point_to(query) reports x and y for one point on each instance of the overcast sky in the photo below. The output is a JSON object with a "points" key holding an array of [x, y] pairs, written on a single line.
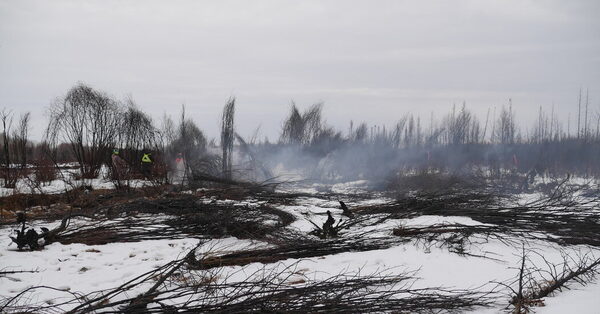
{"points": [[366, 60]]}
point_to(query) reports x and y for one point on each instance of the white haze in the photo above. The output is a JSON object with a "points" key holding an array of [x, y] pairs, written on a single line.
{"points": [[366, 60]]}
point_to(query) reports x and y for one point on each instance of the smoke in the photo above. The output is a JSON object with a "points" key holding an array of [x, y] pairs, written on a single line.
{"points": [[309, 149]]}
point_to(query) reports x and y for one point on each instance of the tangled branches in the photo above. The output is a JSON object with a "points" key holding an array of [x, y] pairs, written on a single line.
{"points": [[175, 287], [457, 236], [560, 217], [173, 218], [535, 283], [298, 248]]}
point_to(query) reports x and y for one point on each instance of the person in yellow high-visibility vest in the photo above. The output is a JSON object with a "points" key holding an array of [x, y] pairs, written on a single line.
{"points": [[146, 165]]}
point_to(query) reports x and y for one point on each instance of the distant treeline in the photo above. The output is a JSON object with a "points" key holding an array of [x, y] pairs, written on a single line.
{"points": [[86, 124]]}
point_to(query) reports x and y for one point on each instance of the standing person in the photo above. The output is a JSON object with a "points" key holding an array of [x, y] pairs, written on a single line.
{"points": [[179, 168], [119, 165], [146, 165], [179, 158]]}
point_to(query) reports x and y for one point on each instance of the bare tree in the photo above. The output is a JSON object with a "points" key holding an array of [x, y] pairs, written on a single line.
{"points": [[191, 141], [20, 139], [137, 133], [7, 173], [487, 118], [412, 132], [188, 139], [293, 127], [505, 131], [360, 133], [227, 137], [579, 115], [459, 126], [89, 121], [587, 103], [302, 129], [397, 133], [313, 124]]}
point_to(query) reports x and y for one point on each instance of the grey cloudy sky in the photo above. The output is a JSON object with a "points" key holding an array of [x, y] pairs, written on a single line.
{"points": [[366, 60]]}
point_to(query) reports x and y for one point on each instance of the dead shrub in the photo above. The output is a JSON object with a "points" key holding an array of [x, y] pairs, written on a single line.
{"points": [[44, 172]]}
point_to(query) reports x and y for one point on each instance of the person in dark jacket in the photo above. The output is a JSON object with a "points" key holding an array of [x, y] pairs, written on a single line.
{"points": [[119, 165], [328, 231]]}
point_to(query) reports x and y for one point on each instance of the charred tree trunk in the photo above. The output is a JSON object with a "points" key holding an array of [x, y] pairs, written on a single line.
{"points": [[227, 138]]}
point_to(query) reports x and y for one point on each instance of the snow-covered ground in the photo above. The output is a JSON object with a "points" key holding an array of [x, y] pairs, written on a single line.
{"points": [[83, 269], [65, 181]]}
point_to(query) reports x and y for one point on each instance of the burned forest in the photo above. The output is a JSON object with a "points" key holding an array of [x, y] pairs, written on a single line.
{"points": [[115, 211], [340, 156]]}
